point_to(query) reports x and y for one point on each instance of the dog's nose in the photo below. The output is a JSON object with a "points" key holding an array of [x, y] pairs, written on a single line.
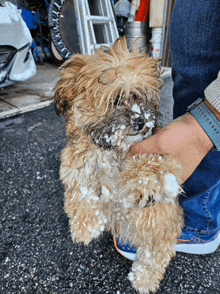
{"points": [[138, 124]]}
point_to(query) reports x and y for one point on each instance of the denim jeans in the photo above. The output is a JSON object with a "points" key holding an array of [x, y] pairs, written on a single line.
{"points": [[195, 50]]}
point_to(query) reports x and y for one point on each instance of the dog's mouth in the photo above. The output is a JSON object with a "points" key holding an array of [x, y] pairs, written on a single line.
{"points": [[121, 138], [132, 138], [142, 126], [123, 128], [145, 131]]}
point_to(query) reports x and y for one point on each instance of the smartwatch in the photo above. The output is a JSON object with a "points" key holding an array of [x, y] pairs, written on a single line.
{"points": [[207, 120]]}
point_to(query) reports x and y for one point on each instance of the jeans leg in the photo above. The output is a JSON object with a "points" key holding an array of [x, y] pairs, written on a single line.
{"points": [[195, 49], [202, 211]]}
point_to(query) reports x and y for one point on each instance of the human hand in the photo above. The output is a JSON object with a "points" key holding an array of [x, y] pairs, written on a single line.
{"points": [[183, 138]]}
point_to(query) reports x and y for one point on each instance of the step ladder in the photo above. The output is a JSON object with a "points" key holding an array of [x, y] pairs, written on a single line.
{"points": [[85, 24]]}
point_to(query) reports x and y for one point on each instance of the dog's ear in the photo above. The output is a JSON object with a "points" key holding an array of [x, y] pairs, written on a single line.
{"points": [[64, 93]]}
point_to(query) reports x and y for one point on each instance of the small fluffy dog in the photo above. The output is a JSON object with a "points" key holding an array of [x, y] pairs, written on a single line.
{"points": [[110, 101]]}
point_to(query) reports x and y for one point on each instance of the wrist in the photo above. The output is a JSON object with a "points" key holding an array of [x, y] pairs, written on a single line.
{"points": [[202, 140], [208, 118], [182, 134]]}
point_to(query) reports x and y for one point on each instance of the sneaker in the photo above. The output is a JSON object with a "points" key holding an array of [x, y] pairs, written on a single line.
{"points": [[198, 244], [187, 243], [125, 249]]}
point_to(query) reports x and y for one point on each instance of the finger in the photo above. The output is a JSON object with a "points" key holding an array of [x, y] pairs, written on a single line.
{"points": [[138, 148], [128, 154]]}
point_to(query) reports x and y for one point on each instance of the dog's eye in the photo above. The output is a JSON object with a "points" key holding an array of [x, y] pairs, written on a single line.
{"points": [[134, 97], [116, 100]]}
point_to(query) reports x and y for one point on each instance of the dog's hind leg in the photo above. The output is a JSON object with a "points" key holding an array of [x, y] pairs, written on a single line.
{"points": [[158, 232], [149, 268], [146, 275]]}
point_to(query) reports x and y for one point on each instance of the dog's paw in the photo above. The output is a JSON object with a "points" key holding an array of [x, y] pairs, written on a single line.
{"points": [[170, 185], [85, 210], [147, 179], [143, 278], [89, 228]]}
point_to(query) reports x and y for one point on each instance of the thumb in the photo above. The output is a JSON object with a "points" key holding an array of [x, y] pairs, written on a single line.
{"points": [[135, 149], [129, 154], [146, 146]]}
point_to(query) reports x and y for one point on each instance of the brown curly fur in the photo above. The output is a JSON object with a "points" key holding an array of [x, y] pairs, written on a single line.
{"points": [[110, 100]]}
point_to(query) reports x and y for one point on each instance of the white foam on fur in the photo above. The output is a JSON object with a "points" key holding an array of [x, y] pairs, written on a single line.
{"points": [[171, 186], [135, 108], [105, 194], [150, 124]]}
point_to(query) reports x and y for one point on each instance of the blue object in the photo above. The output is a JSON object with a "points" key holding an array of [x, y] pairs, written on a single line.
{"points": [[34, 19], [125, 249], [35, 51], [195, 50], [30, 18], [187, 243], [207, 120], [198, 244], [47, 5]]}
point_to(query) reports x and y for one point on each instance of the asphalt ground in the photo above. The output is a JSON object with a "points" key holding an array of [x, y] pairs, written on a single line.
{"points": [[37, 254]]}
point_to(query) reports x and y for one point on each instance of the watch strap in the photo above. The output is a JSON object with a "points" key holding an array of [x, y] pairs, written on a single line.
{"points": [[207, 120]]}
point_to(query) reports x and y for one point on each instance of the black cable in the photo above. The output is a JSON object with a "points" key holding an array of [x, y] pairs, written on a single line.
{"points": [[41, 35]]}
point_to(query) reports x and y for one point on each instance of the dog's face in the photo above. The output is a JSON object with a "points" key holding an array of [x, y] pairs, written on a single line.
{"points": [[126, 122], [111, 97]]}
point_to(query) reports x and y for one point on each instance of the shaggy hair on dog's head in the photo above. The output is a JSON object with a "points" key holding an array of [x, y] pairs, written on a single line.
{"points": [[97, 82], [109, 99]]}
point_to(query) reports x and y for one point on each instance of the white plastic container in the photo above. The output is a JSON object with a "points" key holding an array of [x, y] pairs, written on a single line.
{"points": [[156, 42], [122, 8]]}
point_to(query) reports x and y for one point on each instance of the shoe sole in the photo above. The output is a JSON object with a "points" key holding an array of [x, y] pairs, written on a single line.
{"points": [[205, 248], [130, 256]]}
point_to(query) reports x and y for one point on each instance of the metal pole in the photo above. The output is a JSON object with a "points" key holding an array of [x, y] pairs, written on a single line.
{"points": [[79, 26], [164, 29]]}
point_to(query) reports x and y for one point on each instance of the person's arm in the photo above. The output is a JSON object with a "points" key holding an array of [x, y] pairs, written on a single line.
{"points": [[212, 94], [183, 138]]}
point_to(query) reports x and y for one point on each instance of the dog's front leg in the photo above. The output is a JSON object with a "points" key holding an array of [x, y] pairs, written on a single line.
{"points": [[85, 210], [148, 179], [87, 194]]}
